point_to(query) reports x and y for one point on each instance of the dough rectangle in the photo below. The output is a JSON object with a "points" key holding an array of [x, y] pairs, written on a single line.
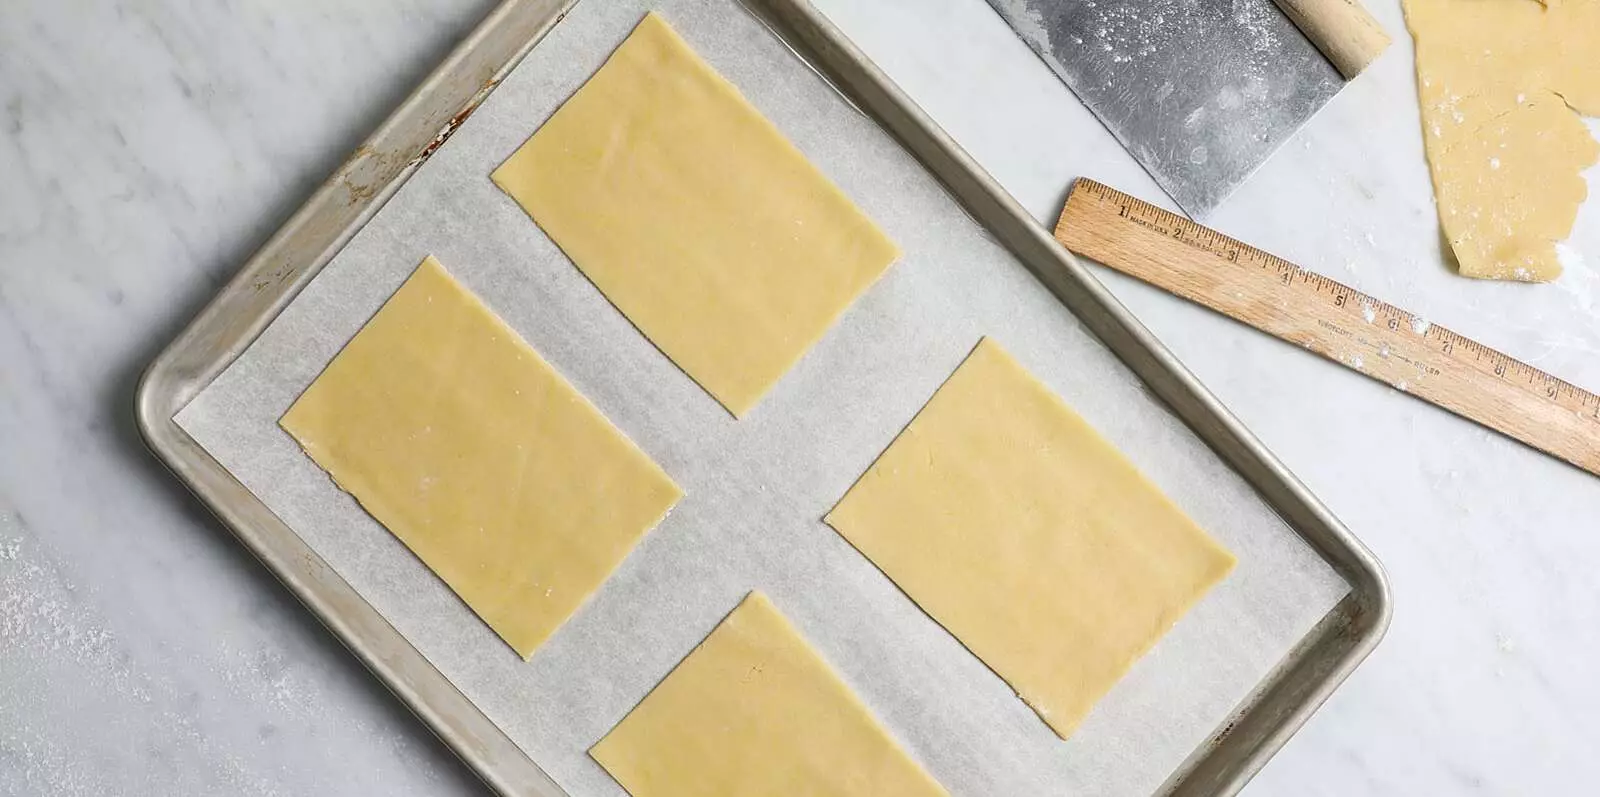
{"points": [[695, 216], [455, 435], [1011, 522], [755, 712], [1502, 87]]}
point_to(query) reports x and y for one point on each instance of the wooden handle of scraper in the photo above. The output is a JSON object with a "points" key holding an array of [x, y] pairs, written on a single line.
{"points": [[1341, 29]]}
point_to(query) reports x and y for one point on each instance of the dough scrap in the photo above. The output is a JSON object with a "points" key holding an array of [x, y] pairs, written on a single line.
{"points": [[694, 216], [1501, 85], [455, 435], [755, 712], [1012, 523]]}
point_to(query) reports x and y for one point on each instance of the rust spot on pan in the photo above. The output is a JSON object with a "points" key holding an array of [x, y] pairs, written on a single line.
{"points": [[376, 167], [455, 122]]}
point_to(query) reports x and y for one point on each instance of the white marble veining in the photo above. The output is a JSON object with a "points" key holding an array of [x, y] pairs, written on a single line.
{"points": [[146, 147]]}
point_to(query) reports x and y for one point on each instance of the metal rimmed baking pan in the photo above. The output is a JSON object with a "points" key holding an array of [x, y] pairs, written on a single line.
{"points": [[405, 145]]}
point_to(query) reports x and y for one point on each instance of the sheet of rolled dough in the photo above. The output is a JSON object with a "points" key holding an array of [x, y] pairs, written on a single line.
{"points": [[1501, 83], [695, 216], [755, 712], [463, 442], [1011, 522]]}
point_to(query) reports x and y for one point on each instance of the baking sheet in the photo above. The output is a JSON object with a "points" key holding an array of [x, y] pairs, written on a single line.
{"points": [[756, 489]]}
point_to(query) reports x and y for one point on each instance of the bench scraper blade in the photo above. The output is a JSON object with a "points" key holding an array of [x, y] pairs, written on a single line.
{"points": [[1201, 92]]}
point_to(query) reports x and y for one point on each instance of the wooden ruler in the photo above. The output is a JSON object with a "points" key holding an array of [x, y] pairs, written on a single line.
{"points": [[1342, 324]]}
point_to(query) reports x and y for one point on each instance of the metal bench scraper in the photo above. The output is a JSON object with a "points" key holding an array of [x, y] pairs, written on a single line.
{"points": [[1201, 92]]}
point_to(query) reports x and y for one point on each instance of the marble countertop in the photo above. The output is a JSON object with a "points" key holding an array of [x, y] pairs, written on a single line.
{"points": [[146, 148]]}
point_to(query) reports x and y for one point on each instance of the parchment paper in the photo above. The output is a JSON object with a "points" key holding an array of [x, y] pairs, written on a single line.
{"points": [[757, 488]]}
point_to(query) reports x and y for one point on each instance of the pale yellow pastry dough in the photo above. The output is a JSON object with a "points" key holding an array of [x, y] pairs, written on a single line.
{"points": [[453, 433], [695, 216], [1027, 536], [754, 712], [1501, 84]]}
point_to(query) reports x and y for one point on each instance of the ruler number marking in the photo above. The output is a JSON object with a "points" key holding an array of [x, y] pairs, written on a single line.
{"points": [[1463, 381]]}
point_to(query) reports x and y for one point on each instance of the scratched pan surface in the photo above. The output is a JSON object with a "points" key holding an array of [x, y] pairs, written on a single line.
{"points": [[1238, 738]]}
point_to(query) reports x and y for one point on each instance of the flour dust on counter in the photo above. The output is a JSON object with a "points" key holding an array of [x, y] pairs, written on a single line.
{"points": [[61, 671], [66, 681]]}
